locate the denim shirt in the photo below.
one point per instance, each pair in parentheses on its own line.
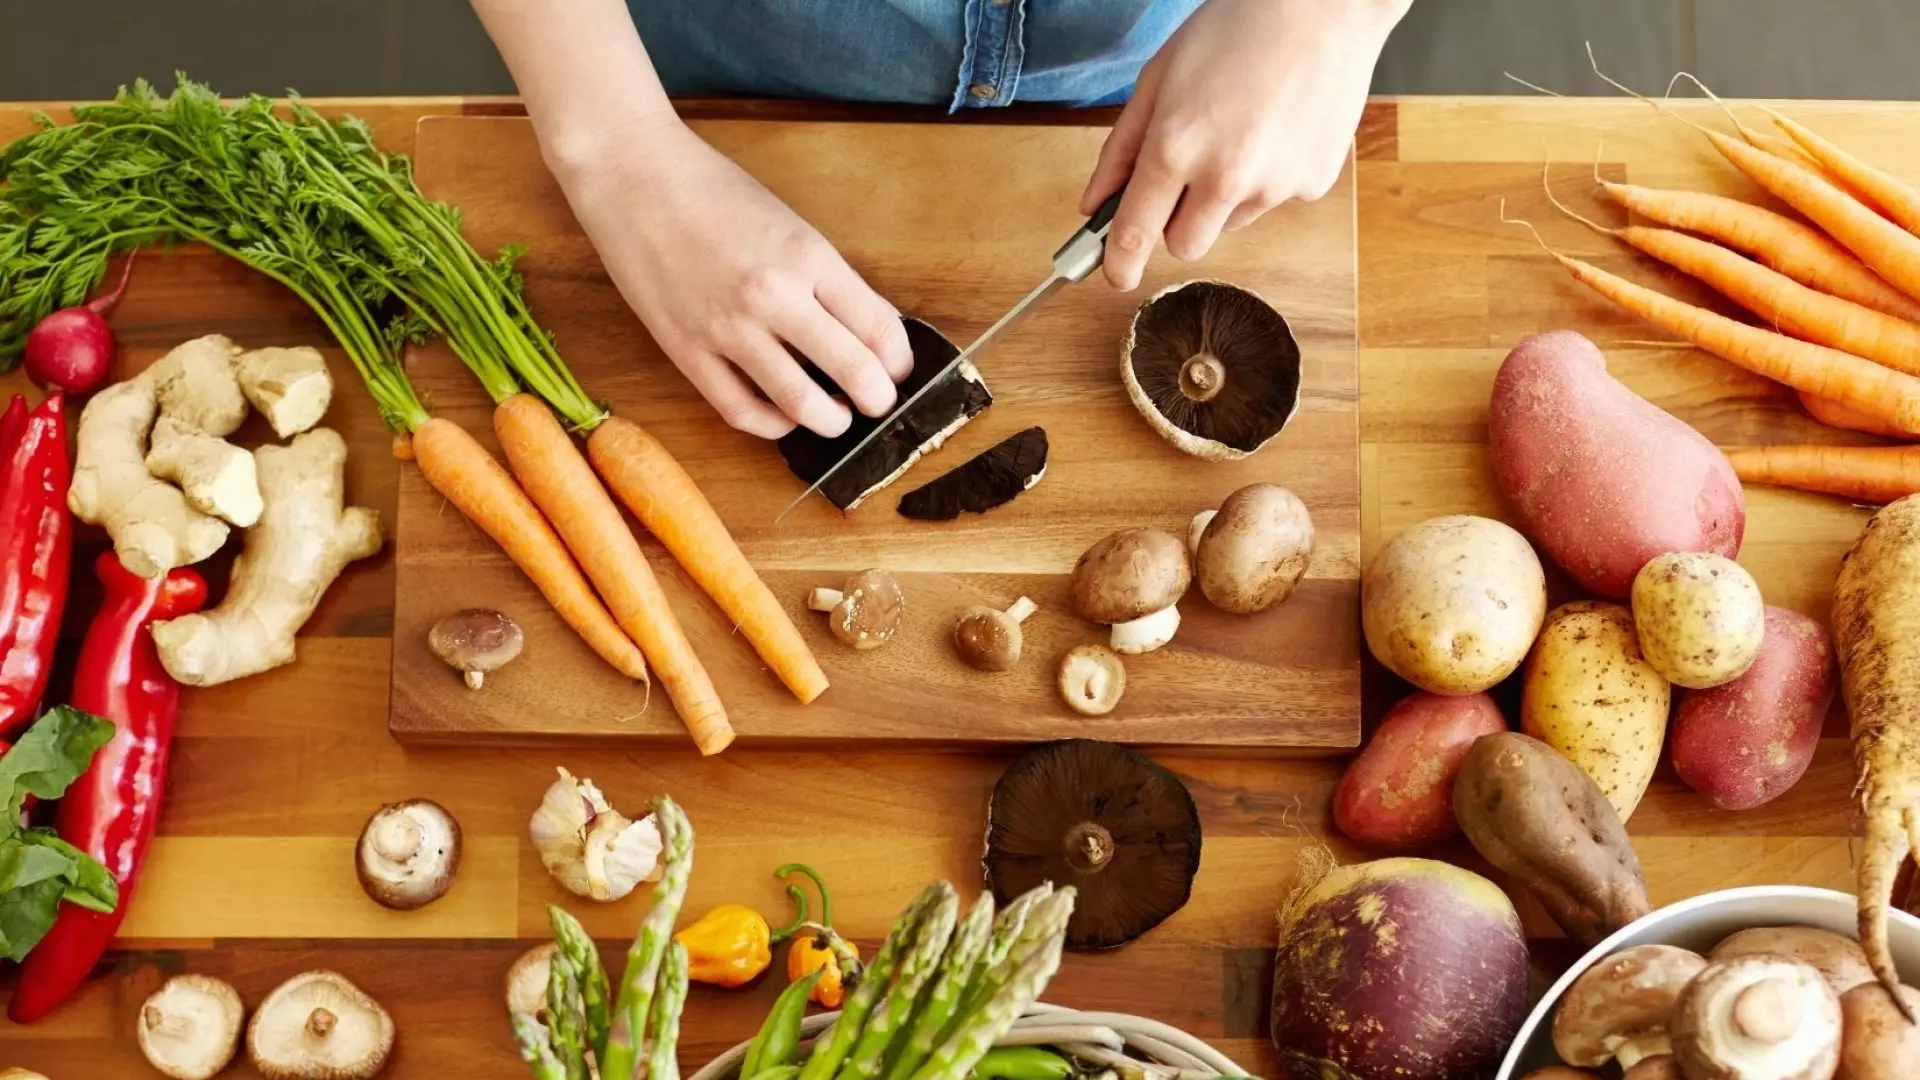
(958,53)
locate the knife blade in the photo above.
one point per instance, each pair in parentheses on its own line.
(1080,256)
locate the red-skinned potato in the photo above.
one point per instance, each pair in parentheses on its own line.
(1604,480)
(1748,741)
(1399,792)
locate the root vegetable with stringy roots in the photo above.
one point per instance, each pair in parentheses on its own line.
(304,539)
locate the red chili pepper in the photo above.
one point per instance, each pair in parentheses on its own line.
(35,542)
(11,422)
(111,811)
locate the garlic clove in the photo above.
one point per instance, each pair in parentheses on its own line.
(620,854)
(559,826)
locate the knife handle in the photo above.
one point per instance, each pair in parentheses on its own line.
(1083,252)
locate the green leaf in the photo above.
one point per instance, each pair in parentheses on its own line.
(88,885)
(26,915)
(50,756)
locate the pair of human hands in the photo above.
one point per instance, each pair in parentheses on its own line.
(1249,104)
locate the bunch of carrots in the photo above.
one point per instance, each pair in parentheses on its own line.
(1839,293)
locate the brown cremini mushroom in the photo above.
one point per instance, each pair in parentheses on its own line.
(1213,368)
(1619,1008)
(865,612)
(1757,1018)
(408,854)
(1876,1041)
(990,640)
(1250,554)
(319,1026)
(190,1027)
(1104,819)
(1836,956)
(1092,678)
(475,641)
(1133,580)
(1657,1067)
(527,982)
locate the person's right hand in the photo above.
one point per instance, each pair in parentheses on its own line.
(726,277)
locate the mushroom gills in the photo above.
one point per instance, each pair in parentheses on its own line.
(1092,678)
(190,1027)
(319,1026)
(1213,368)
(993,477)
(958,398)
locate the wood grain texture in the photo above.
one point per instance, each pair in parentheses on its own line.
(956,254)
(273,777)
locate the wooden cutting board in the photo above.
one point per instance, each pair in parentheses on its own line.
(953,224)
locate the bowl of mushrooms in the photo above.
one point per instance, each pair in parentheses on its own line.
(1760,983)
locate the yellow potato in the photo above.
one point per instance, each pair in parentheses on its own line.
(1699,617)
(1590,695)
(1452,604)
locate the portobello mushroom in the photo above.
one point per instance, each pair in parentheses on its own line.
(1213,368)
(993,478)
(944,410)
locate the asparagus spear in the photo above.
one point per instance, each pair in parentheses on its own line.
(572,940)
(831,1046)
(1046,919)
(566,1016)
(663,1061)
(628,1024)
(535,1050)
(956,974)
(956,1057)
(917,967)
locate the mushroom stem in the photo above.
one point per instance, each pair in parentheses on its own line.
(161,1024)
(1021,608)
(1089,846)
(1146,633)
(1202,376)
(474,679)
(397,836)
(1768,1011)
(824,599)
(320,1023)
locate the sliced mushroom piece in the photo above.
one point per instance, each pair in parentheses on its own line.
(994,477)
(1131,580)
(475,641)
(527,982)
(190,1027)
(865,612)
(1618,1009)
(1213,368)
(319,1026)
(945,409)
(1104,819)
(408,854)
(1757,1018)
(1876,1041)
(1837,957)
(1251,554)
(990,640)
(1092,678)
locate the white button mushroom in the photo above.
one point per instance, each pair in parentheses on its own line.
(1619,1008)
(1091,679)
(1132,580)
(408,854)
(991,640)
(190,1027)
(1251,554)
(1757,1018)
(319,1026)
(865,612)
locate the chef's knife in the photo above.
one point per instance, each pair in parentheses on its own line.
(1081,255)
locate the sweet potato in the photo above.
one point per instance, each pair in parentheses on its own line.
(1590,695)
(1399,792)
(1748,741)
(1538,816)
(1451,604)
(1604,480)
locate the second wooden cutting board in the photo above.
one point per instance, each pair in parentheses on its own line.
(953,224)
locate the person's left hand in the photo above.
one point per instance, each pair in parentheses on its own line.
(1247,105)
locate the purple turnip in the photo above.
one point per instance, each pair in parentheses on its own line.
(1397,968)
(72,349)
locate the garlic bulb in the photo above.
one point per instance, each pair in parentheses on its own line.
(588,846)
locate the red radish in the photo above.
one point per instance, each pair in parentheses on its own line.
(73,348)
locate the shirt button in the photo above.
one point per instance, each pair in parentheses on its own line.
(982,91)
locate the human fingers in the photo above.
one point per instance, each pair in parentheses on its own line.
(1117,154)
(1197,223)
(1150,199)
(721,384)
(867,316)
(787,385)
(846,360)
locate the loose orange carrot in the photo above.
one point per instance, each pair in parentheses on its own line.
(645,477)
(1833,414)
(477,485)
(1891,251)
(1793,248)
(1895,197)
(1805,313)
(1880,392)
(549,465)
(1868,474)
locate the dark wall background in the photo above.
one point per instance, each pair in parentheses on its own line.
(1746,48)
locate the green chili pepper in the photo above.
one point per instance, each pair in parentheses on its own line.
(778,1042)
(1022,1063)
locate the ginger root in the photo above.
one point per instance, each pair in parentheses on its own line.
(198,388)
(290,387)
(303,541)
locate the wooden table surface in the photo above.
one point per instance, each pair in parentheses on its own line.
(272,778)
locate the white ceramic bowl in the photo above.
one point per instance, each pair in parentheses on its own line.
(1699,924)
